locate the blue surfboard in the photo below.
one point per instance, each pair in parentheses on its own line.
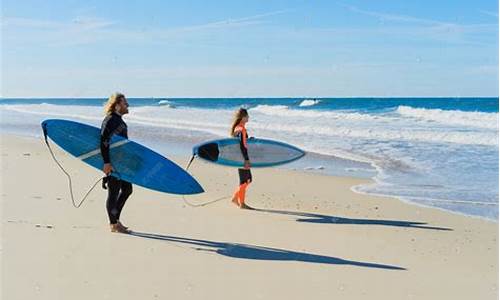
(262,152)
(131,161)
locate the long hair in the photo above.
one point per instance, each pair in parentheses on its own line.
(113,100)
(238,116)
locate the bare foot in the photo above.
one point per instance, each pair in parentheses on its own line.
(121,225)
(124,228)
(235,201)
(118,229)
(244,206)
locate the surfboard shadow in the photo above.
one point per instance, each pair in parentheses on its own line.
(244,251)
(324,219)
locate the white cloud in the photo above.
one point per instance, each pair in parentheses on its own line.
(77,24)
(244,21)
(85,30)
(90,23)
(428,28)
(489,13)
(12,22)
(397,18)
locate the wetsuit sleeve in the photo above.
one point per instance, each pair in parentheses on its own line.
(243,149)
(107,129)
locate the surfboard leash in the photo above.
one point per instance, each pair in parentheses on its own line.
(70,183)
(205,203)
(190,161)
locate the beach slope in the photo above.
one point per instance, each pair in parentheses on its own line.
(310,237)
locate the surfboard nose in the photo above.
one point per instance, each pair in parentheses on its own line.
(209,151)
(45,124)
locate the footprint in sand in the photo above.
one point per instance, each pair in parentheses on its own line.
(82,227)
(44,226)
(49,226)
(18,221)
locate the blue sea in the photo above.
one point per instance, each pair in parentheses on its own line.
(439,152)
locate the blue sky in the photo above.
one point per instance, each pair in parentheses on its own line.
(249,48)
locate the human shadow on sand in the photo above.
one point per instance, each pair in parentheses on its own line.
(244,251)
(324,219)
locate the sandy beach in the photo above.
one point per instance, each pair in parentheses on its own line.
(310,237)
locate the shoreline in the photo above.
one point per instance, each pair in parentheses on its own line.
(410,202)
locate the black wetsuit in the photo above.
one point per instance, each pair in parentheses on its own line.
(118,190)
(245,174)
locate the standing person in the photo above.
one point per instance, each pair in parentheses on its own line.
(239,131)
(118,190)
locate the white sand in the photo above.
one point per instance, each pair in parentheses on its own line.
(317,240)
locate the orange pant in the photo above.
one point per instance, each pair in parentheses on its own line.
(240,192)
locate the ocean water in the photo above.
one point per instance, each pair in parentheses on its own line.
(440,152)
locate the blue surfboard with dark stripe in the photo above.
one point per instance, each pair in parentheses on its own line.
(262,152)
(131,161)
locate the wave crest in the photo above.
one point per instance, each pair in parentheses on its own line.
(452,117)
(309,102)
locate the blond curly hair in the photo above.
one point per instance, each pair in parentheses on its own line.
(113,100)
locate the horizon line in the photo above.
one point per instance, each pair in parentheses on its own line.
(245,97)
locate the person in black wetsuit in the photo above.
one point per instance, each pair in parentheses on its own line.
(118,190)
(238,130)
